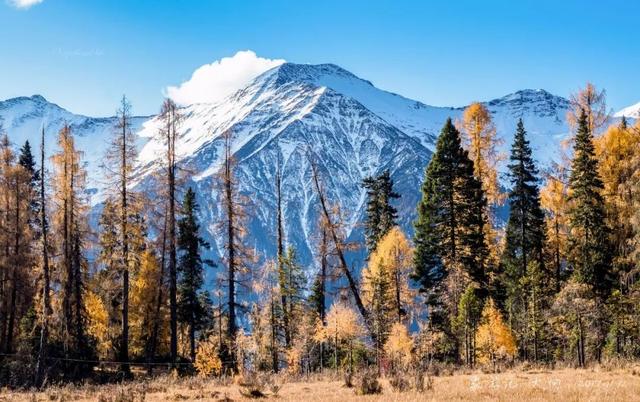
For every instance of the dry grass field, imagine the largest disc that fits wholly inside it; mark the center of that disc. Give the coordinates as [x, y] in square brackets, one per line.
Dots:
[597, 384]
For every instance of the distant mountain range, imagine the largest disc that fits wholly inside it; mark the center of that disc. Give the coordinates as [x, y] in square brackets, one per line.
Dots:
[354, 129]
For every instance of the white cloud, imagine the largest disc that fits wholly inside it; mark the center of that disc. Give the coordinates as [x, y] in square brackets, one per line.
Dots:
[213, 82]
[24, 4]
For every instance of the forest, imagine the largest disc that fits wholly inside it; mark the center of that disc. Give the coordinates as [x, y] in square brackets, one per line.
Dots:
[553, 283]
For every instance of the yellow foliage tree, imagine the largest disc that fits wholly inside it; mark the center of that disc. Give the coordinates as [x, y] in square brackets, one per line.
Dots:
[342, 325]
[98, 322]
[143, 301]
[208, 357]
[494, 338]
[481, 142]
[594, 104]
[618, 151]
[399, 345]
[553, 198]
[385, 286]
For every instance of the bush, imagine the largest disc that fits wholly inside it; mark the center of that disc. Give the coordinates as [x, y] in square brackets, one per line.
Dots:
[398, 382]
[208, 360]
[367, 383]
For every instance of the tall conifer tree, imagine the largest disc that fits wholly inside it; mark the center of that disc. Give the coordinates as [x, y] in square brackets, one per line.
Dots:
[525, 238]
[590, 255]
[450, 250]
[191, 309]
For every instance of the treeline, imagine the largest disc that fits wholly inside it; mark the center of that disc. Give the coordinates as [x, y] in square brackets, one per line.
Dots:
[557, 283]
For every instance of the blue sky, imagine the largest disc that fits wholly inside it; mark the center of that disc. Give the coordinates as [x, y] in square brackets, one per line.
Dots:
[84, 54]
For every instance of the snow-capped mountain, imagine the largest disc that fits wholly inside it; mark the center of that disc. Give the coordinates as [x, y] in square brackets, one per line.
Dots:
[352, 128]
[24, 118]
[632, 112]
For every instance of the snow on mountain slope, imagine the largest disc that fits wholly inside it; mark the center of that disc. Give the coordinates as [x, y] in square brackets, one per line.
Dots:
[632, 112]
[281, 119]
[352, 128]
[543, 113]
[24, 118]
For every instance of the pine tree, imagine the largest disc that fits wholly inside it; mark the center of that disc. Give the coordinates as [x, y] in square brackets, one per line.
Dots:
[467, 320]
[450, 250]
[190, 269]
[525, 235]
[381, 215]
[292, 283]
[590, 255]
[27, 160]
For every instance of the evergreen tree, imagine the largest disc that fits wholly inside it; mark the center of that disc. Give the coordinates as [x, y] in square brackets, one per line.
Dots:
[191, 310]
[525, 234]
[381, 215]
[525, 237]
[590, 255]
[450, 250]
[293, 283]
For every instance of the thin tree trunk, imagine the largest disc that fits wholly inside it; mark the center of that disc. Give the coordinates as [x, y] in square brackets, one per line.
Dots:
[156, 322]
[172, 237]
[283, 292]
[343, 262]
[124, 351]
[46, 306]
[14, 275]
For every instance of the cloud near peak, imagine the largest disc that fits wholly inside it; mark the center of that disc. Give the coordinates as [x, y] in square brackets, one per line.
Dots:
[23, 4]
[213, 82]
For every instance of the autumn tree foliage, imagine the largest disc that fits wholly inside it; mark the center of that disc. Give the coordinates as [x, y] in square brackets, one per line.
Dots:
[554, 200]
[593, 102]
[16, 257]
[495, 341]
[480, 140]
[342, 328]
[399, 345]
[618, 154]
[130, 289]
[70, 223]
[385, 283]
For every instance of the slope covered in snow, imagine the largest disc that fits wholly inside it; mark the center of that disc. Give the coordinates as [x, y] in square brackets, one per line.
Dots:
[351, 127]
[24, 118]
[632, 112]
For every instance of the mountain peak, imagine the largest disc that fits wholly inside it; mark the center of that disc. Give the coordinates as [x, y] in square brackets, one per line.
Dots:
[317, 74]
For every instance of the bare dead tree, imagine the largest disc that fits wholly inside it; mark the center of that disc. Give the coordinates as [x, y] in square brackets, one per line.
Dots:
[338, 243]
[171, 118]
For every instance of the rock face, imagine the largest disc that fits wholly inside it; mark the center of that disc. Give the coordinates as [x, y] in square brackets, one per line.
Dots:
[352, 129]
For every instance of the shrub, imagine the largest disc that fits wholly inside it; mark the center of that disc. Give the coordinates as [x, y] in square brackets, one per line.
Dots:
[208, 358]
[367, 383]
